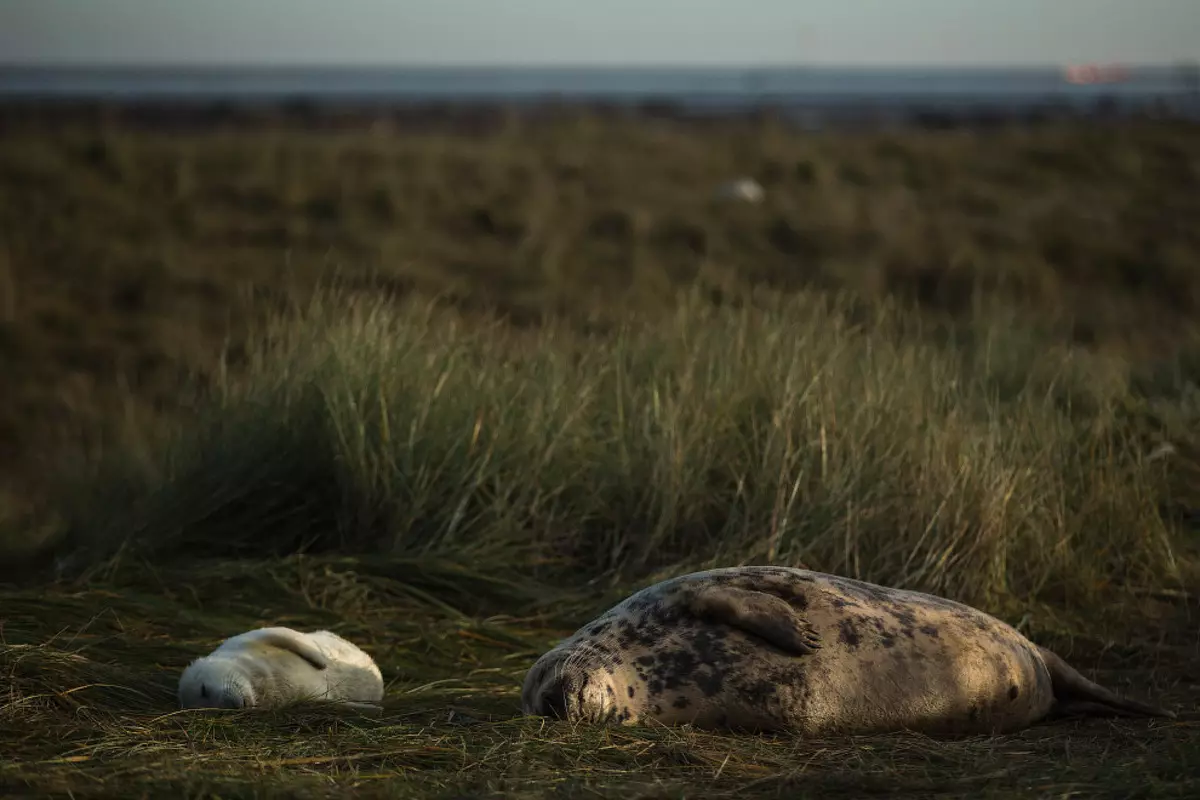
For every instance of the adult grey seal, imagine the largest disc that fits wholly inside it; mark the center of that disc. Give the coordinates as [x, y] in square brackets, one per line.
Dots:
[273, 667]
[775, 648]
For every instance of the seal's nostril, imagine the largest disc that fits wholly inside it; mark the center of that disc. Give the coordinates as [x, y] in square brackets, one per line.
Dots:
[554, 701]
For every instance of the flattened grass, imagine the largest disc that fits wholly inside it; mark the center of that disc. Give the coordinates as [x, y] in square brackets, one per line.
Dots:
[89, 709]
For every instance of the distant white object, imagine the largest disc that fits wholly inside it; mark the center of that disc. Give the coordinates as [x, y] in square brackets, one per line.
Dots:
[273, 667]
[1164, 450]
[746, 190]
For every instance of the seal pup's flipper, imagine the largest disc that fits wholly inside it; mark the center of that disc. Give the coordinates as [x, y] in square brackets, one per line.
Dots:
[366, 709]
[294, 641]
[758, 613]
[1075, 695]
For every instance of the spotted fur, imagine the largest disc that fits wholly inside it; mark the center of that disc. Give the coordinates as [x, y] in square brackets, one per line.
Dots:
[776, 648]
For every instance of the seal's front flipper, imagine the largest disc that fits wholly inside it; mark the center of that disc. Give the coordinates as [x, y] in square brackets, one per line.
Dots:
[758, 613]
[296, 642]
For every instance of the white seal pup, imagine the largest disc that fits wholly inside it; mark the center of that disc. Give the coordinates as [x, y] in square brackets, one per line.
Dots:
[775, 648]
[272, 667]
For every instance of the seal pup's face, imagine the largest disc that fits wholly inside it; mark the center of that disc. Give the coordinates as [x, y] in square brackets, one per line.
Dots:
[575, 682]
[214, 682]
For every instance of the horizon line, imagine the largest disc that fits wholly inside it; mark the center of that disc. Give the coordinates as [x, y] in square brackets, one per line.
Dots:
[228, 66]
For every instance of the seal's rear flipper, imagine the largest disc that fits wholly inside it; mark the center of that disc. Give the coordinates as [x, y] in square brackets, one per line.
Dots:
[758, 613]
[1075, 695]
[296, 642]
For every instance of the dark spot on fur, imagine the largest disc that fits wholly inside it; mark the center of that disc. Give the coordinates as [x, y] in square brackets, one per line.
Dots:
[973, 713]
[1013, 692]
[847, 633]
[656, 709]
[631, 690]
[681, 702]
[676, 667]
[929, 631]
[710, 681]
[903, 615]
[598, 629]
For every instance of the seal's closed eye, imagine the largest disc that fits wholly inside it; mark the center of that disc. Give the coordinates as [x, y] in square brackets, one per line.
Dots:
[758, 613]
[553, 701]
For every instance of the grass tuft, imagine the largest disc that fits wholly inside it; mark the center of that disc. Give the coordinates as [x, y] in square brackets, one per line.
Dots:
[984, 465]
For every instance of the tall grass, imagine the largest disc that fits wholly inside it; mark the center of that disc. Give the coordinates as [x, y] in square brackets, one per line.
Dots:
[984, 465]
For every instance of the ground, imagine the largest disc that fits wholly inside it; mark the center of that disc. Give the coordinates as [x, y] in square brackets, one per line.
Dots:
[1006, 465]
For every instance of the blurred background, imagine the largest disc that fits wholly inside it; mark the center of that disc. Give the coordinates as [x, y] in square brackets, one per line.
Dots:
[170, 172]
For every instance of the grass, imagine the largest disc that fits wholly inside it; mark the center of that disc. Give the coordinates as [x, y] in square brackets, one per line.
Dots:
[133, 251]
[708, 433]
[457, 496]
[455, 491]
[450, 729]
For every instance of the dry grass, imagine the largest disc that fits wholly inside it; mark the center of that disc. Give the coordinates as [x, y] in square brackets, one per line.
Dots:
[89, 708]
[718, 385]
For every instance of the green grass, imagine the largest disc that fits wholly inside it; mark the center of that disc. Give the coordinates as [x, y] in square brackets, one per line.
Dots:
[933, 360]
[464, 494]
[130, 253]
[878, 447]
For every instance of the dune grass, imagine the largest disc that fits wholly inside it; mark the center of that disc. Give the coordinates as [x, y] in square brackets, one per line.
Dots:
[784, 431]
[457, 496]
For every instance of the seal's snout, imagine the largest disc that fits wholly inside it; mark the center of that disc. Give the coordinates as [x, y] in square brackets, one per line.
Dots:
[552, 702]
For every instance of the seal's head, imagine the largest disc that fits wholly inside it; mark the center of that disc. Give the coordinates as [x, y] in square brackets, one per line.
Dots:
[579, 682]
[678, 652]
[215, 682]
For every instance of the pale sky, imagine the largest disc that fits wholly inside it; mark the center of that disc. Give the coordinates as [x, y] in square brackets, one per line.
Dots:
[595, 32]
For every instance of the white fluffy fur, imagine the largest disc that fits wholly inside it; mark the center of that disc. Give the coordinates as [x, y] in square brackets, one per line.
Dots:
[272, 667]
